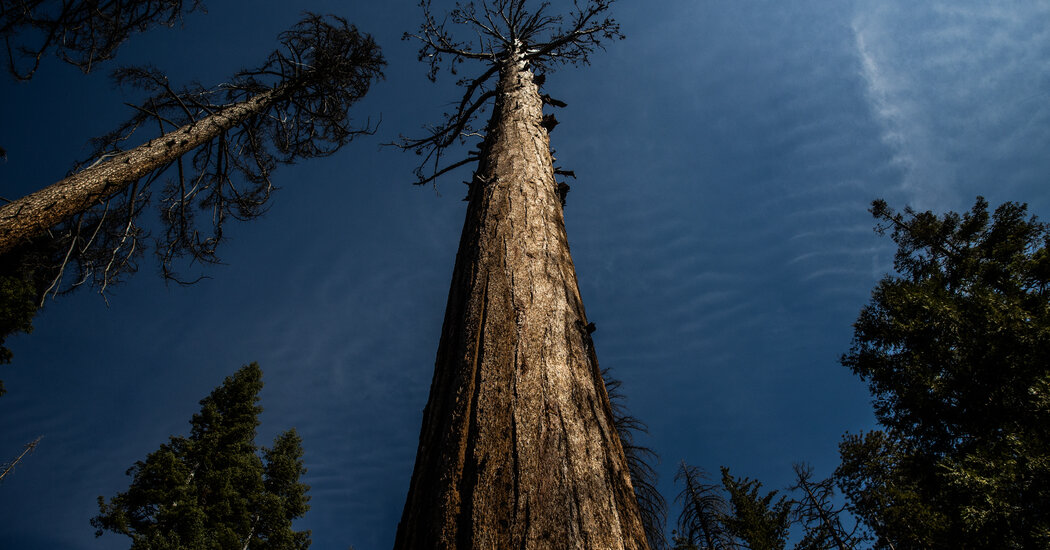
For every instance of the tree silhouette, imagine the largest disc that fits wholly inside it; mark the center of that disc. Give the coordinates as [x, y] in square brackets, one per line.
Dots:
[80, 32]
[703, 509]
[955, 353]
[205, 156]
[819, 515]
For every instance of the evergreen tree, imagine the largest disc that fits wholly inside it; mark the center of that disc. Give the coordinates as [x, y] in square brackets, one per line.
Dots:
[758, 522]
[212, 490]
[956, 351]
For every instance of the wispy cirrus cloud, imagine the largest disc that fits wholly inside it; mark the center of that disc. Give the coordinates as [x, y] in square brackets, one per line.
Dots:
[956, 88]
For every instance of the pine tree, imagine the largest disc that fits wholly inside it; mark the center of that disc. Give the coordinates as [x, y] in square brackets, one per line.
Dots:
[518, 447]
[956, 351]
[759, 522]
[212, 489]
[292, 107]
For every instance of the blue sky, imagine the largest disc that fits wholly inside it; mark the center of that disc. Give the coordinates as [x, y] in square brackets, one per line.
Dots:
[726, 154]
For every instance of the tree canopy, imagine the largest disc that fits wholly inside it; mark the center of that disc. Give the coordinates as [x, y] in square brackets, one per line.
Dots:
[207, 151]
[955, 349]
[80, 32]
[212, 489]
[499, 31]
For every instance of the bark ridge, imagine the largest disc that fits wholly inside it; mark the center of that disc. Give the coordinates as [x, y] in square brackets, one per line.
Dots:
[517, 448]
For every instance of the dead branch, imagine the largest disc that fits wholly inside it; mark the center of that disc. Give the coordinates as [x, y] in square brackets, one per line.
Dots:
[29, 447]
[502, 30]
[80, 32]
[295, 106]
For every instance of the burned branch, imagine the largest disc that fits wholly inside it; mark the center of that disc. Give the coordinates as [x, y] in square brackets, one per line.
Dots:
[548, 100]
[505, 30]
[26, 450]
[223, 142]
[640, 461]
[80, 32]
[549, 122]
[563, 191]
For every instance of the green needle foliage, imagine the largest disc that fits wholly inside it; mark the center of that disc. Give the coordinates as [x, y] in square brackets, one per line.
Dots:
[212, 490]
[761, 522]
[956, 352]
[24, 275]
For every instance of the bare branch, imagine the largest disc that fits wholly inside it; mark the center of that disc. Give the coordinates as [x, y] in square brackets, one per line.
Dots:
[82, 32]
[10, 466]
[446, 169]
[504, 30]
[295, 106]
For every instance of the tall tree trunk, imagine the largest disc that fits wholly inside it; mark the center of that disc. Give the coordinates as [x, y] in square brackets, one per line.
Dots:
[36, 212]
[517, 448]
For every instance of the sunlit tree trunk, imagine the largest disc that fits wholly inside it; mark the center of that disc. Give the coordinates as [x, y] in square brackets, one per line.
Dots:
[517, 448]
[36, 212]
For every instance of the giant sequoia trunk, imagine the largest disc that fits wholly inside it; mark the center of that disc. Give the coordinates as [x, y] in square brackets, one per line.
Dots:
[517, 448]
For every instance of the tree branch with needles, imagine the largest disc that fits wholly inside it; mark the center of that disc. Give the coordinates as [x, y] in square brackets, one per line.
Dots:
[224, 143]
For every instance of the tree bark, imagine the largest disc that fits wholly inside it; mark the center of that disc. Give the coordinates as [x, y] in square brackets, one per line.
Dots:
[39, 211]
[517, 448]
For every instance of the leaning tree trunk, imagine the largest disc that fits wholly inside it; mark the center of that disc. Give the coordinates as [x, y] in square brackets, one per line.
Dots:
[517, 448]
[37, 212]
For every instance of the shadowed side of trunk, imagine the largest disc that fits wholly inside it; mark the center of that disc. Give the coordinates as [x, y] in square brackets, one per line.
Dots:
[517, 449]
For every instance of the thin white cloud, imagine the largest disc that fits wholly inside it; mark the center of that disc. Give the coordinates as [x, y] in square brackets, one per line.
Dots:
[903, 129]
[950, 85]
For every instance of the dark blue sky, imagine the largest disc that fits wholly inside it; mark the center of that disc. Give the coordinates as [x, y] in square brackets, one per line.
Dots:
[726, 154]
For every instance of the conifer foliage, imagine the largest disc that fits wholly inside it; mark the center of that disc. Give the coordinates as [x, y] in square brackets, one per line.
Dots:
[738, 514]
[955, 352]
[212, 489]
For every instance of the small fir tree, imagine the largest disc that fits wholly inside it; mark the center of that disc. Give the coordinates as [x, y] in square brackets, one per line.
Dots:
[760, 522]
[212, 489]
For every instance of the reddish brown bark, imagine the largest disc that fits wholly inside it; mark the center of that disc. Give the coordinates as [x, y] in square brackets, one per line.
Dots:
[36, 212]
[517, 448]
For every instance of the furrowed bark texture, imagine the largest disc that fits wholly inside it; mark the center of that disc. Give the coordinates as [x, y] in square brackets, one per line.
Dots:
[517, 449]
[39, 211]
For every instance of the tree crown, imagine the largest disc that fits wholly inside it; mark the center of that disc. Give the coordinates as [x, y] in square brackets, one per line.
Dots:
[212, 489]
[502, 30]
[82, 32]
[955, 353]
